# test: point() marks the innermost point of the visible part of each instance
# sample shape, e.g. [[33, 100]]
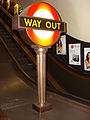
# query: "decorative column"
[[42, 105]]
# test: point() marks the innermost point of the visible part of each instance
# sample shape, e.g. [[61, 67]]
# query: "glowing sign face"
[[43, 37]]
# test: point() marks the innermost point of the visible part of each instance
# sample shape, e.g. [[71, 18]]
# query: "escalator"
[[59, 77], [18, 54]]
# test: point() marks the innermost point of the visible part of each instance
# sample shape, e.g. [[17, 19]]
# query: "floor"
[[16, 97]]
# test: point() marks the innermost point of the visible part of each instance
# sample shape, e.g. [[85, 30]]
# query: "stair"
[[18, 54]]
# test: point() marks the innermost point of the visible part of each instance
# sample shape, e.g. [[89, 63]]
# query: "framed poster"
[[87, 59], [61, 46], [74, 54]]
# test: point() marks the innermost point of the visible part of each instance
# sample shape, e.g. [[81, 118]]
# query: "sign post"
[[41, 106], [42, 25]]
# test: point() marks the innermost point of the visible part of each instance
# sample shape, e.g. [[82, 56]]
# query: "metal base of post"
[[46, 107]]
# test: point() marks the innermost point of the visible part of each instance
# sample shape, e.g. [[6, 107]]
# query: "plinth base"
[[42, 109]]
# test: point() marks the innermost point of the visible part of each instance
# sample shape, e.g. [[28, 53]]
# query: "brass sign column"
[[41, 106]]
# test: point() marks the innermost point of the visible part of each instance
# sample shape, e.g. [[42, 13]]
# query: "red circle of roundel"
[[32, 35]]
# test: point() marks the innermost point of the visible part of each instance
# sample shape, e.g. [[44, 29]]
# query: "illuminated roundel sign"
[[43, 37], [41, 23]]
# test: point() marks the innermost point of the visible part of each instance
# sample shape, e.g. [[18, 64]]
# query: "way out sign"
[[42, 25], [41, 22]]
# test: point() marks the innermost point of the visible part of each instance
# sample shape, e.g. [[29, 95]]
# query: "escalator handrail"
[[5, 11]]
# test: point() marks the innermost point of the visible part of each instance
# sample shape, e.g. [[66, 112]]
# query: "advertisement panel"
[[74, 54], [61, 46], [87, 59]]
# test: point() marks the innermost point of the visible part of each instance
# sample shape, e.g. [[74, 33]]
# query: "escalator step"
[[32, 74], [18, 55], [3, 33], [28, 67], [9, 40], [24, 62], [24, 59], [14, 50], [11, 45]]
